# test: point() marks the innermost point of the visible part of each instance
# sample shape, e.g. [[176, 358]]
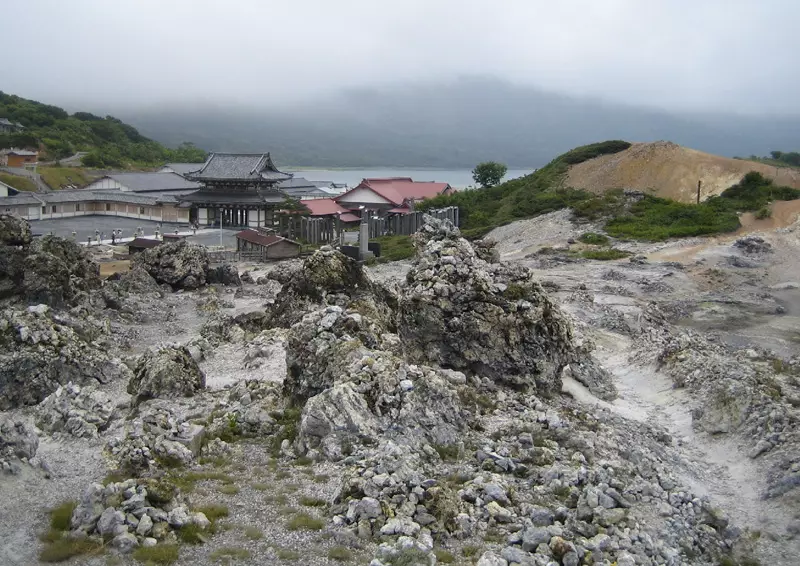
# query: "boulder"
[[169, 371], [180, 264], [753, 245]]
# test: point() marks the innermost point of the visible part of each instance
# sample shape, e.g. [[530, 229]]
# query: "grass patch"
[[604, 255], [65, 548], [340, 554], [443, 556], [18, 182], [304, 522], [303, 461], [320, 478], [470, 550], [229, 553], [260, 486], [282, 475], [213, 512], [408, 557], [279, 499], [286, 554], [763, 212], [253, 533], [187, 481], [158, 554], [228, 489], [593, 238], [193, 534], [58, 177], [61, 516], [306, 501], [447, 452], [395, 248]]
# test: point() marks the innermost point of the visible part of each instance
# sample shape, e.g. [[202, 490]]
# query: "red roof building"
[[329, 207], [394, 194], [269, 246]]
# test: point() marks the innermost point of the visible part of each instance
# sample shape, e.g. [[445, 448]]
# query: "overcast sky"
[[731, 55]]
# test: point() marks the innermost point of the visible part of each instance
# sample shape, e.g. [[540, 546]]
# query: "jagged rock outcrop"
[[356, 388], [124, 292], [169, 371], [47, 270], [180, 264], [14, 231], [327, 277], [494, 320], [224, 275], [18, 441], [78, 411], [40, 350], [753, 245]]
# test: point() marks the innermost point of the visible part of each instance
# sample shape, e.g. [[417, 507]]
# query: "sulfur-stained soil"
[[671, 171]]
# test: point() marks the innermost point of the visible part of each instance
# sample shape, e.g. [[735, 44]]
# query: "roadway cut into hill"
[[671, 171]]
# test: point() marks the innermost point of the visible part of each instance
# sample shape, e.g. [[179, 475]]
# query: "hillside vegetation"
[[632, 215], [17, 182], [110, 142]]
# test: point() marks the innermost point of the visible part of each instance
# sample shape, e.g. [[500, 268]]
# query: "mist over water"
[[457, 178]]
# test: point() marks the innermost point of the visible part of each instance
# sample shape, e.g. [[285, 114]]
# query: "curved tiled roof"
[[239, 166]]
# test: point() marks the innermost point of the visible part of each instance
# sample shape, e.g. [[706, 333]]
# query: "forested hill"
[[111, 143]]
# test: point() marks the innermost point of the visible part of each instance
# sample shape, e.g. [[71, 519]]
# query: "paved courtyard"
[[86, 226]]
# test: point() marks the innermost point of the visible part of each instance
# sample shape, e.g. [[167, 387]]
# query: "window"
[[8, 211], [44, 210], [108, 206], [77, 207], [53, 209], [141, 210]]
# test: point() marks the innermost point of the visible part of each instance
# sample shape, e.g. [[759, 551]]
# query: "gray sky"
[[731, 55]]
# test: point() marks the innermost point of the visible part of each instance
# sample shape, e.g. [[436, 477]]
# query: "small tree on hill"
[[489, 173]]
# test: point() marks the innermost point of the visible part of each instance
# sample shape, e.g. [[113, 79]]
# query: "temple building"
[[239, 189]]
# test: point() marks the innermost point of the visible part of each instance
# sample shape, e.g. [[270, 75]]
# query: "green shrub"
[[408, 557], [447, 452], [287, 554], [213, 512], [395, 248], [159, 554], [587, 152], [763, 212], [253, 533], [288, 420], [593, 238]]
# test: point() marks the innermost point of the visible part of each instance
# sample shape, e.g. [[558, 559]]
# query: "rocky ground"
[[473, 406]]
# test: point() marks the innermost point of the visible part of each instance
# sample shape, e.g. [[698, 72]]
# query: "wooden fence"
[[408, 224]]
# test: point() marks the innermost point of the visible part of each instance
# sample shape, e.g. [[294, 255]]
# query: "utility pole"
[[699, 182]]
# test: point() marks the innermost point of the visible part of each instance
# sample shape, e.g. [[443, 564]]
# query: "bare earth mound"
[[671, 171]]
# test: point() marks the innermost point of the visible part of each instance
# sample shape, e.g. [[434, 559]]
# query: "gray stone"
[[179, 517], [145, 526], [125, 543], [169, 371], [109, 521], [491, 559], [533, 537]]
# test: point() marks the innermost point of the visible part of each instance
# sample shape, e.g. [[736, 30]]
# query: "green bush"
[[763, 212], [395, 248], [63, 549], [587, 152], [304, 521], [340, 554], [594, 239]]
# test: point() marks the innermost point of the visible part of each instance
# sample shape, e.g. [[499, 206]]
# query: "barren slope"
[[672, 171]]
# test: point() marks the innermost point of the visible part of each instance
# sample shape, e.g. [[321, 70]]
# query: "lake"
[[458, 178]]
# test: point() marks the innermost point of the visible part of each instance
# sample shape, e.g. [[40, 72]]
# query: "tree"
[[776, 154], [489, 173]]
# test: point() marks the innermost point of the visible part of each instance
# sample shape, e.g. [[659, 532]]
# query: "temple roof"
[[211, 196], [239, 167]]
